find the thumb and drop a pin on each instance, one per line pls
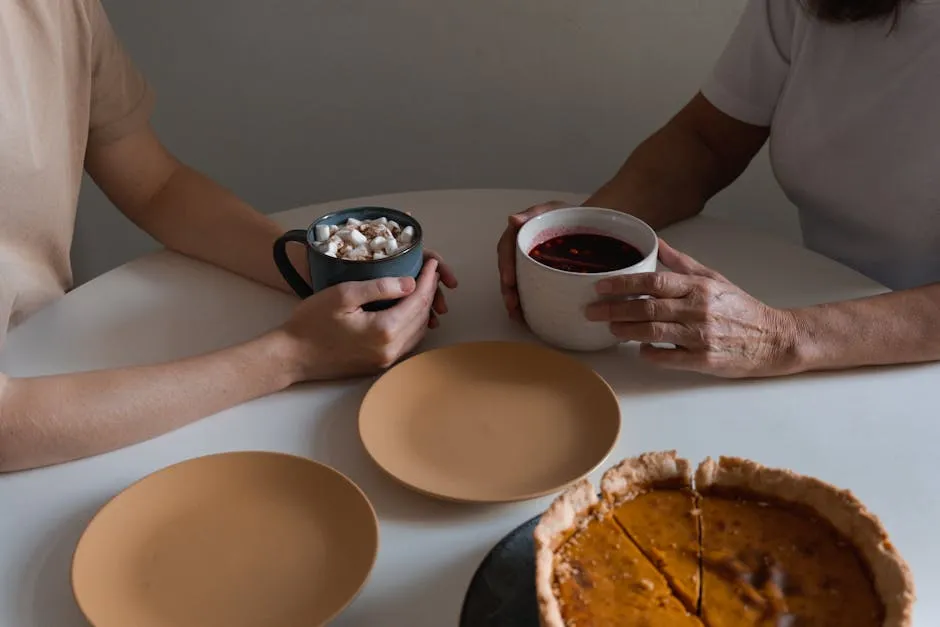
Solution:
(518, 219)
(355, 294)
(683, 264)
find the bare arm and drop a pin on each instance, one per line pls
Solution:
(722, 330)
(186, 211)
(671, 175)
(668, 178)
(46, 420)
(896, 328)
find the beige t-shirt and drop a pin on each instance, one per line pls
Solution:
(65, 84)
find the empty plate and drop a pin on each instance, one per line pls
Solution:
(229, 540)
(489, 421)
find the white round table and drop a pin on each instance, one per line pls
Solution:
(872, 431)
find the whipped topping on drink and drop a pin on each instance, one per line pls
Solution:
(363, 240)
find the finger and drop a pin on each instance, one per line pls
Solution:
(513, 306)
(416, 305)
(506, 247)
(355, 294)
(643, 310)
(655, 284)
(406, 323)
(518, 219)
(439, 304)
(655, 333)
(414, 337)
(414, 330)
(506, 256)
(448, 278)
(682, 263)
(673, 358)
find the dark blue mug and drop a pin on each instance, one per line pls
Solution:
(326, 271)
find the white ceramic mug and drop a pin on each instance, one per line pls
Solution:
(554, 301)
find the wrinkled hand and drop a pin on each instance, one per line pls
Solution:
(333, 337)
(717, 327)
(506, 252)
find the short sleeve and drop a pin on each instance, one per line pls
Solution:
(121, 99)
(749, 77)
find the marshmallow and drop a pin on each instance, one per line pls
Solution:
(374, 230)
(363, 240)
(322, 232)
(353, 236)
(359, 253)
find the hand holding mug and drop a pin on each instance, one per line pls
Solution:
(559, 256)
(332, 336)
(717, 327)
(506, 253)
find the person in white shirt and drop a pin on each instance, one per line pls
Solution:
(70, 98)
(847, 92)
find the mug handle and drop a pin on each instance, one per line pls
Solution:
(284, 265)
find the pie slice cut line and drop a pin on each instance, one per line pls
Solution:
(742, 545)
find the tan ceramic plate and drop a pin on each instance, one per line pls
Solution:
(489, 422)
(229, 540)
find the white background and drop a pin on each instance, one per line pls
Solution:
(291, 102)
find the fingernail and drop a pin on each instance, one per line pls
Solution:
(604, 287)
(407, 283)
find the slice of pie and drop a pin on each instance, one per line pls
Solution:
(653, 503)
(783, 549)
(748, 546)
(629, 557)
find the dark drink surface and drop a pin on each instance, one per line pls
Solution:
(586, 253)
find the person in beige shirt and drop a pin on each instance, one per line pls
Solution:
(71, 99)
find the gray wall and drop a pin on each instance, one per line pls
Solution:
(291, 102)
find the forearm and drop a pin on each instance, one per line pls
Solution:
(193, 215)
(47, 420)
(896, 328)
(671, 175)
(667, 179)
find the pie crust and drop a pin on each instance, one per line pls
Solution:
(575, 508)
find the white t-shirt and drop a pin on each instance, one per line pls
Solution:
(854, 113)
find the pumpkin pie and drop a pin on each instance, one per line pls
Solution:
(734, 545)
